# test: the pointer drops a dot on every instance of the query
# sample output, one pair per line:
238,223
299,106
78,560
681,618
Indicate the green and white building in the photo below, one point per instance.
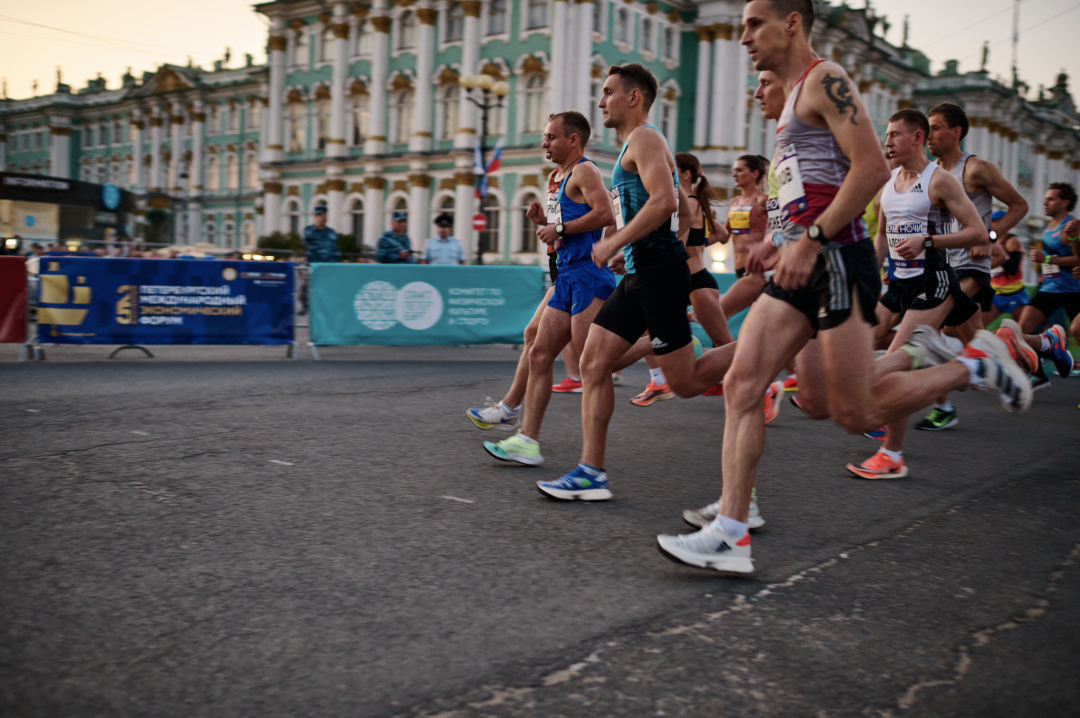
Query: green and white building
360,106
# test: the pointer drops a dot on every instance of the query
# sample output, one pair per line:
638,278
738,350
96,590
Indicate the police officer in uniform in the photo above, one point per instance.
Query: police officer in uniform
394,245
321,242
444,249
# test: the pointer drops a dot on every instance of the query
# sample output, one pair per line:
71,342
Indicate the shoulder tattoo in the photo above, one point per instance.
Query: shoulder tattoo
838,91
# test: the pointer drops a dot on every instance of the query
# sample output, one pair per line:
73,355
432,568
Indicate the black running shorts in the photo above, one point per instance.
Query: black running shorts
654,299
1050,302
984,297
553,266
826,298
703,280
928,291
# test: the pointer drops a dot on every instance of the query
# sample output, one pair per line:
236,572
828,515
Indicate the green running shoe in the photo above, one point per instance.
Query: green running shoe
698,349
938,420
516,449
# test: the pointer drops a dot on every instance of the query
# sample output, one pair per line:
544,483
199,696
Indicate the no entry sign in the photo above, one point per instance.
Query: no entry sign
479,222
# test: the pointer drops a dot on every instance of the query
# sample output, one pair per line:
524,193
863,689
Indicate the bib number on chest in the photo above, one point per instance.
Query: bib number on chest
739,220
616,201
897,233
1050,270
790,192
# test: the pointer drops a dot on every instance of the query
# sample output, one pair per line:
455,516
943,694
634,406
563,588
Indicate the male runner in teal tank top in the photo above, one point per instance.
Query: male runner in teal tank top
650,209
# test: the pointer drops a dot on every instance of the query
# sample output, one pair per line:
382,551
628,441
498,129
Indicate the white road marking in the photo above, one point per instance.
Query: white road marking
140,433
283,463
33,411
455,498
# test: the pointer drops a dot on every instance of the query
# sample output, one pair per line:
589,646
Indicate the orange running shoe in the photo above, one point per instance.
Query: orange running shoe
879,466
772,401
791,383
1021,353
652,394
568,386
716,389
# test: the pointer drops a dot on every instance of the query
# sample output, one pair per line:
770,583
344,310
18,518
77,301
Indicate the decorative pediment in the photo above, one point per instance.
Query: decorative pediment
168,79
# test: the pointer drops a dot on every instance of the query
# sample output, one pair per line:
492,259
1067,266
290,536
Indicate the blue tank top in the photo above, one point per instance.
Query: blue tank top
659,247
1057,280
560,208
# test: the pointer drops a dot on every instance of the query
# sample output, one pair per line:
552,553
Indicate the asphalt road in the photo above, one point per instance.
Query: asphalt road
273,538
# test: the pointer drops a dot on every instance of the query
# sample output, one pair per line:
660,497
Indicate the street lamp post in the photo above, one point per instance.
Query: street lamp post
491,93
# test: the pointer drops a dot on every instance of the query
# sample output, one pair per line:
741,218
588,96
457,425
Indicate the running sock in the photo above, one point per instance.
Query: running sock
507,410
526,439
894,455
1045,343
590,469
575,378
947,407
975,368
657,376
734,529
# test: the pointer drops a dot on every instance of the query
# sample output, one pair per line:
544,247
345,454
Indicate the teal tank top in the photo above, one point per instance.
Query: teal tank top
659,247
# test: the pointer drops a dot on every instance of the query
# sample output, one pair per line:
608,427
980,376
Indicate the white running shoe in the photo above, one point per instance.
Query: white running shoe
711,548
930,347
700,518
492,415
1000,372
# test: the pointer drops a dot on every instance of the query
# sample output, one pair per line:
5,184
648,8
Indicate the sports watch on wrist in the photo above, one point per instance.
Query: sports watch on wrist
928,242
815,233
560,229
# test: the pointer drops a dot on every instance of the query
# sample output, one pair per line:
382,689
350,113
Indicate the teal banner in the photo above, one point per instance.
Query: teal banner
724,281
411,305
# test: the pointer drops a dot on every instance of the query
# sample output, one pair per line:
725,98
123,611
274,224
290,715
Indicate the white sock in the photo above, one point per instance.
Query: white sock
1045,343
507,410
973,366
575,378
734,529
894,455
527,439
792,376
657,376
946,407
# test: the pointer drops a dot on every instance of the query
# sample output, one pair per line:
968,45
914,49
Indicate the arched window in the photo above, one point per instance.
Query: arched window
232,172
535,117
234,118
667,121
360,118
300,50
538,14
229,235
297,112
455,23
328,45
622,25
363,38
105,139
293,213
213,123
249,234
407,30
254,114
322,107
669,43
211,233
646,35
403,103
528,228
497,17
451,95
356,214
598,16
252,169
213,175
489,238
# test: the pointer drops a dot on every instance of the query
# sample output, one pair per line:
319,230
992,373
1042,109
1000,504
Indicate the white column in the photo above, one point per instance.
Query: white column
373,207
198,130
176,144
194,212
701,100
380,49
419,194
581,72
156,175
470,57
425,65
737,69
60,147
557,94
335,146
273,150
465,206
138,121
1038,189
271,207
719,128
335,197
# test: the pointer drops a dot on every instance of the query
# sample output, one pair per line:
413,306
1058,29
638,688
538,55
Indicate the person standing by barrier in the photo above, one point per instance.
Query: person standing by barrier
443,249
321,242
394,245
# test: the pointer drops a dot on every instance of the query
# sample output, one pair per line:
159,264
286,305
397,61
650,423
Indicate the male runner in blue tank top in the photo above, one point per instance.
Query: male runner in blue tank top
828,167
578,209
649,208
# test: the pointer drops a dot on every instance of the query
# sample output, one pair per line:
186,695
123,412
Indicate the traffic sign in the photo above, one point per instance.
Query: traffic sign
479,222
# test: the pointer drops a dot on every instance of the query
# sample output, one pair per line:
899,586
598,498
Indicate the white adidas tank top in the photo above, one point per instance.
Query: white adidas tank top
907,214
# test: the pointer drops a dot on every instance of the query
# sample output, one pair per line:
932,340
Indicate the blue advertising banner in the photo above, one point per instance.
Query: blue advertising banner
411,305
99,300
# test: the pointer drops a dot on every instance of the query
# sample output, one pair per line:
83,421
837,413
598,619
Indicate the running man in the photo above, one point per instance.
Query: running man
918,205
578,209
649,207
828,167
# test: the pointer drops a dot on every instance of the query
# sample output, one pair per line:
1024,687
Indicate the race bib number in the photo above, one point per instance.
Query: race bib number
776,219
997,271
789,183
616,202
739,220
1050,270
897,233
553,211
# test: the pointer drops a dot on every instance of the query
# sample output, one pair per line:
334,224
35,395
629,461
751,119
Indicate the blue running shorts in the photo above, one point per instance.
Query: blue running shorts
578,284
1009,303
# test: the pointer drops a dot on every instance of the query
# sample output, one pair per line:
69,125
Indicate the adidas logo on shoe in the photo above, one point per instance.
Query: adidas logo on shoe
658,343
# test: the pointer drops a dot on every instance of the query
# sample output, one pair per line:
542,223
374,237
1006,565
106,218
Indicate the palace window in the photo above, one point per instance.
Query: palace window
252,169
361,117
300,50
297,110
249,234
407,30
254,114
598,16
293,214
132,171
323,107
669,43
211,233
489,238
213,175
451,98
213,120
497,17
403,112
234,118
328,45
118,132
538,14
455,23
356,214
667,121
363,38
622,25
232,172
106,139
646,34
528,228
535,118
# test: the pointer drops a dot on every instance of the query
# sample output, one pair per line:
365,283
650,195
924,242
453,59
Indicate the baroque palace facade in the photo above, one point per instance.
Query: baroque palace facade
359,107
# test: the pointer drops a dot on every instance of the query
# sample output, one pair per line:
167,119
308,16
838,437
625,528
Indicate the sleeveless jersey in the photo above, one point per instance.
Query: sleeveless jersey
744,218
810,167
984,202
910,214
661,246
698,236
560,208
1009,277
1057,280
